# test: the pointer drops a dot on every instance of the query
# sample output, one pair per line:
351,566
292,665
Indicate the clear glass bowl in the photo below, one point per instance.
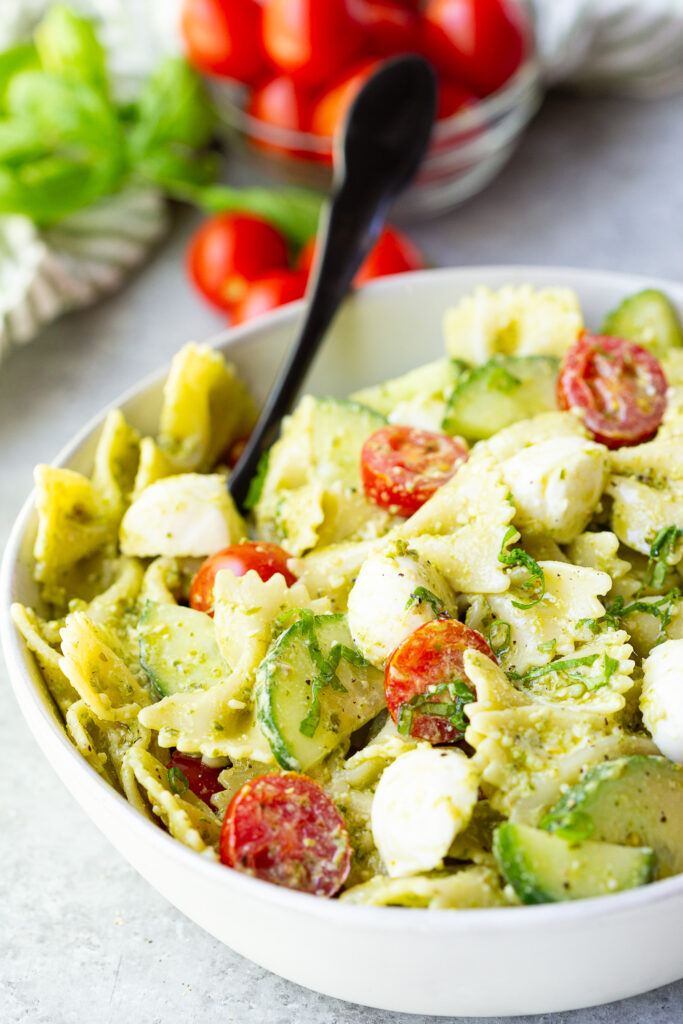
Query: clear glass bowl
468,149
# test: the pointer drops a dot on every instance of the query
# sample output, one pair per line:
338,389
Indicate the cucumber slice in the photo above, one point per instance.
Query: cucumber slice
505,389
543,868
636,800
308,697
178,649
339,429
649,319
433,380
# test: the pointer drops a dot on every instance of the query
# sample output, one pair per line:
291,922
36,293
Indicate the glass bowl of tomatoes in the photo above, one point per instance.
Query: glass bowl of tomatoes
283,74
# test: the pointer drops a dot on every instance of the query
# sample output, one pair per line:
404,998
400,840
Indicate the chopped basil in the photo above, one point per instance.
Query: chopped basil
662,609
660,551
421,594
548,646
257,481
177,780
499,637
517,557
566,666
459,695
326,669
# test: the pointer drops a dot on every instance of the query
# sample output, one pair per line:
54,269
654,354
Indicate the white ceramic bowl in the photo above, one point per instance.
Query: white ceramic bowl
461,963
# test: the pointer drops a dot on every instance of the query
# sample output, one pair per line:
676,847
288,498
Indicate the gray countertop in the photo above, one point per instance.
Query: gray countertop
596,183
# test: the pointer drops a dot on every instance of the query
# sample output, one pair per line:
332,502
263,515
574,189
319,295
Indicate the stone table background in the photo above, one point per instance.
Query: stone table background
83,939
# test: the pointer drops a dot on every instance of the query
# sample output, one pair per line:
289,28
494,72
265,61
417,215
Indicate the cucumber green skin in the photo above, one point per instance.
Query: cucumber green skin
178,649
283,696
340,429
543,868
502,391
634,800
649,319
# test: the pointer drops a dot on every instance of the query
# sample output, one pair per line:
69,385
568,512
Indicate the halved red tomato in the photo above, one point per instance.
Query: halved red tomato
265,559
426,684
618,387
401,467
283,828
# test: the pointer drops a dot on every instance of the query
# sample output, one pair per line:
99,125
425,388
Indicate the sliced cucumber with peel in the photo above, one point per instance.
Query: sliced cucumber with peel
339,430
433,380
636,800
503,390
178,649
649,319
543,868
313,690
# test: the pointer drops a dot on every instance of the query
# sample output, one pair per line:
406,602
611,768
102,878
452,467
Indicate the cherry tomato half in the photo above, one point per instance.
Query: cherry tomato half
334,105
618,386
479,41
283,828
401,467
269,292
225,37
424,677
201,778
230,251
312,41
265,559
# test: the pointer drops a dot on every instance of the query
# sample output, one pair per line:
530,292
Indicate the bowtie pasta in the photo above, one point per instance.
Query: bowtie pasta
438,661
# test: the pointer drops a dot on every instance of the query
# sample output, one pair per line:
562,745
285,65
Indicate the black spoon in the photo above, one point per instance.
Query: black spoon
377,153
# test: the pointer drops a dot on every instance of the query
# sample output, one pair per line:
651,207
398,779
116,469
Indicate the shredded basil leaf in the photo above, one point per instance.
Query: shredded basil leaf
662,609
660,551
499,638
517,557
326,669
421,594
459,695
177,780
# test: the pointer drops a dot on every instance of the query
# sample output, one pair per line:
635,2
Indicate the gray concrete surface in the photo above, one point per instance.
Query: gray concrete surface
83,940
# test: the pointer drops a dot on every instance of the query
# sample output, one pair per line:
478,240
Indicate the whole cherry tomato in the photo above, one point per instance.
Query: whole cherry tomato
269,292
187,772
618,386
453,98
426,684
231,250
391,27
402,467
334,104
265,559
393,253
312,41
479,41
282,104
284,828
225,37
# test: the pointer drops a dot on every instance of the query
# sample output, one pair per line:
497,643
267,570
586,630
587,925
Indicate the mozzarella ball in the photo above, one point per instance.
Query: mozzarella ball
390,600
187,515
423,800
556,485
661,699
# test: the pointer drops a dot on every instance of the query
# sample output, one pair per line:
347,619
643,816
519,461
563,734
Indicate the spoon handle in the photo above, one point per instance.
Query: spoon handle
353,224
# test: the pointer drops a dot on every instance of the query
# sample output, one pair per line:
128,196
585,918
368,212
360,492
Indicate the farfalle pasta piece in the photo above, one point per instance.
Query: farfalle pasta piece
99,676
116,463
48,657
330,572
461,529
154,464
599,550
466,888
185,816
514,320
540,630
640,511
206,407
547,426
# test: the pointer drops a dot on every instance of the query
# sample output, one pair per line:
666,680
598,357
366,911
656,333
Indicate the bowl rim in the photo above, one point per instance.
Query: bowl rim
305,144
479,920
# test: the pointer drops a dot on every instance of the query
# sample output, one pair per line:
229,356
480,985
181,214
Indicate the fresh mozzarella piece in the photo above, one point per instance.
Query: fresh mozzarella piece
556,485
391,599
190,514
661,700
423,800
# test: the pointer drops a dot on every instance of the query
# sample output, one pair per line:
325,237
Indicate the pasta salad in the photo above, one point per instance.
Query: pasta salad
440,662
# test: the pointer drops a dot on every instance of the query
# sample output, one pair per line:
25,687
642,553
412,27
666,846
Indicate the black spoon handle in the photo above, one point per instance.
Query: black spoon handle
352,229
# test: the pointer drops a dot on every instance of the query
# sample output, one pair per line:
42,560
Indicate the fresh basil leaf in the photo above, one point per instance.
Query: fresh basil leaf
173,109
18,58
68,46
45,189
294,211
20,140
171,169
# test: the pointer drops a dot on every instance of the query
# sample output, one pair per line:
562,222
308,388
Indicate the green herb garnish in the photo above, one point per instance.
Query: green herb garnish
662,609
257,481
421,594
326,670
660,551
459,695
499,638
177,780
519,557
